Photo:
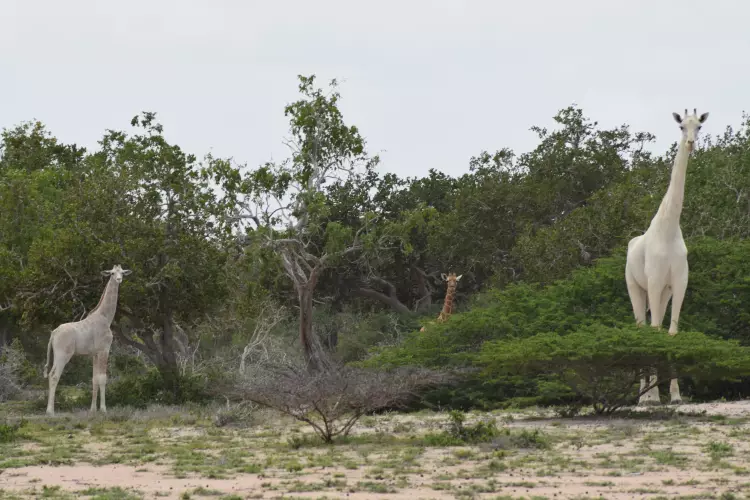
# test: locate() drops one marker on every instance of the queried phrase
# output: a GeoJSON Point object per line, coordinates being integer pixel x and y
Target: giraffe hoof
{"type": "Point", "coordinates": [649, 402]}
{"type": "Point", "coordinates": [676, 402]}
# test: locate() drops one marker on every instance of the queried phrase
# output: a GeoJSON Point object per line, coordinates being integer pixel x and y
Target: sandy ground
{"type": "Point", "coordinates": [683, 457]}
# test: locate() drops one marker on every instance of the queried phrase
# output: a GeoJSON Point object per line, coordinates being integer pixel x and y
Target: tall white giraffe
{"type": "Point", "coordinates": [89, 337]}
{"type": "Point", "coordinates": [657, 265]}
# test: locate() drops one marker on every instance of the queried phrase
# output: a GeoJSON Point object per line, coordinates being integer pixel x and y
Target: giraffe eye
{"type": "Point", "coordinates": [682, 127]}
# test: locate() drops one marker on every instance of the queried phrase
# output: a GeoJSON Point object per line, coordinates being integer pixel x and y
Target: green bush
{"type": "Point", "coordinates": [141, 390]}
{"type": "Point", "coordinates": [480, 432]}
{"type": "Point", "coordinates": [718, 290]}
{"type": "Point", "coordinates": [590, 295]}
{"type": "Point", "coordinates": [603, 365]}
{"type": "Point", "coordinates": [484, 431]}
{"type": "Point", "coordinates": [458, 433]}
{"type": "Point", "coordinates": [11, 432]}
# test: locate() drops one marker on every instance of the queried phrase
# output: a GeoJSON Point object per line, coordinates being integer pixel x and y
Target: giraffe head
{"type": "Point", "coordinates": [451, 279]}
{"type": "Point", "coordinates": [117, 273]}
{"type": "Point", "coordinates": [690, 125]}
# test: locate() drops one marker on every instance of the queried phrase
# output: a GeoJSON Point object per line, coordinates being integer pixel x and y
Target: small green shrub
{"type": "Point", "coordinates": [459, 433]}
{"type": "Point", "coordinates": [143, 389]}
{"type": "Point", "coordinates": [10, 432]}
{"type": "Point", "coordinates": [534, 439]}
{"type": "Point", "coordinates": [480, 432]}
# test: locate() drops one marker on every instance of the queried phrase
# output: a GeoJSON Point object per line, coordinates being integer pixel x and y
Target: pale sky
{"type": "Point", "coordinates": [429, 83]}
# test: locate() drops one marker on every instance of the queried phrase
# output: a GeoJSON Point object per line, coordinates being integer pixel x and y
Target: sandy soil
{"type": "Point", "coordinates": [614, 459]}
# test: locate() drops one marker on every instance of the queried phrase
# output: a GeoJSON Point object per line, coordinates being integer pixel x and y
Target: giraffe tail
{"type": "Point", "coordinates": [49, 348]}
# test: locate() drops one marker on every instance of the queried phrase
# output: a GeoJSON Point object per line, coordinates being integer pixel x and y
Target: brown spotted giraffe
{"type": "Point", "coordinates": [450, 294]}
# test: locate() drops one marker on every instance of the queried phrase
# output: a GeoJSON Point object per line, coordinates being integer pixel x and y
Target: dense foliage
{"type": "Point", "coordinates": [350, 258]}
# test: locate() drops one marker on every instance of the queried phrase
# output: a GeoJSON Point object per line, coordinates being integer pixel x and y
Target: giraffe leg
{"type": "Point", "coordinates": [61, 359]}
{"type": "Point", "coordinates": [639, 301]}
{"type": "Point", "coordinates": [656, 294]}
{"type": "Point", "coordinates": [679, 286]}
{"type": "Point", "coordinates": [94, 385]}
{"type": "Point", "coordinates": [101, 362]}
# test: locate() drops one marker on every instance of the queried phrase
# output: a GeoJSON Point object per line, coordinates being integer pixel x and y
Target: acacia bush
{"type": "Point", "coordinates": [333, 398]}
{"type": "Point", "coordinates": [603, 365]}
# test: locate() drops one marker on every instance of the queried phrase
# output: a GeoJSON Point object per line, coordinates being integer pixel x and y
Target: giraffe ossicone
{"type": "Point", "coordinates": [89, 337]}
{"type": "Point", "coordinates": [657, 267]}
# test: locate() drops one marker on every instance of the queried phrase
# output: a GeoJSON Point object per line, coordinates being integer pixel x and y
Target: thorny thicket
{"type": "Point", "coordinates": [11, 365]}
{"type": "Point", "coordinates": [333, 398]}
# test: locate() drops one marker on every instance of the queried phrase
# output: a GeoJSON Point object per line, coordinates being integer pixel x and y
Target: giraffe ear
{"type": "Point", "coordinates": [444, 277]}
{"type": "Point", "coordinates": [125, 272]}
{"type": "Point", "coordinates": [106, 273]}
{"type": "Point", "coordinates": [677, 117]}
{"type": "Point", "coordinates": [458, 277]}
{"type": "Point", "coordinates": [703, 117]}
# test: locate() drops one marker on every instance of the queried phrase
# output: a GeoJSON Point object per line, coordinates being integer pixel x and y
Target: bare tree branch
{"type": "Point", "coordinates": [269, 316]}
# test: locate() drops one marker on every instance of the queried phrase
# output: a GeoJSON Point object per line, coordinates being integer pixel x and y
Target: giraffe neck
{"type": "Point", "coordinates": [448, 303]}
{"type": "Point", "coordinates": [108, 302]}
{"type": "Point", "coordinates": [671, 205]}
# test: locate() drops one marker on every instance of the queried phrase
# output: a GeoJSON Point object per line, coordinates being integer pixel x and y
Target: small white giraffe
{"type": "Point", "coordinates": [89, 337]}
{"type": "Point", "coordinates": [657, 265]}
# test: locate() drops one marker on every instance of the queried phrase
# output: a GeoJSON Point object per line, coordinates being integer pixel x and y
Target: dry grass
{"type": "Point", "coordinates": [171, 452]}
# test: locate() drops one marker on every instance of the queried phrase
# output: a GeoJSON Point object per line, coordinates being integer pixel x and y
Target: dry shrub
{"type": "Point", "coordinates": [11, 365]}
{"type": "Point", "coordinates": [239, 415]}
{"type": "Point", "coordinates": [332, 399]}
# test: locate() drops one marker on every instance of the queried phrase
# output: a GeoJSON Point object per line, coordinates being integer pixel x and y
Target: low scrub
{"type": "Point", "coordinates": [11, 432]}
{"type": "Point", "coordinates": [603, 366]}
{"type": "Point", "coordinates": [12, 363]}
{"type": "Point", "coordinates": [484, 431]}
{"type": "Point", "coordinates": [332, 399]}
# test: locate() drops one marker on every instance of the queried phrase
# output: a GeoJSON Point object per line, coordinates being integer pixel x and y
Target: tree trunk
{"type": "Point", "coordinates": [309, 346]}
{"type": "Point", "coordinates": [168, 366]}
{"type": "Point", "coordinates": [424, 300]}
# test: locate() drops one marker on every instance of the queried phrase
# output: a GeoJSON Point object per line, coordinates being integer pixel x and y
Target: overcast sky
{"type": "Point", "coordinates": [429, 83]}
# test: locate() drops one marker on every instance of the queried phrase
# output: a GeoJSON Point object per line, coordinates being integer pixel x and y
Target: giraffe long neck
{"type": "Point", "coordinates": [448, 303]}
{"type": "Point", "coordinates": [671, 205]}
{"type": "Point", "coordinates": [108, 301]}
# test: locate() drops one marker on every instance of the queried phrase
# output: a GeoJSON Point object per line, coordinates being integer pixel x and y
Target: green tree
{"type": "Point", "coordinates": [157, 209]}
{"type": "Point", "coordinates": [35, 171]}
{"type": "Point", "coordinates": [286, 202]}
{"type": "Point", "coordinates": [138, 201]}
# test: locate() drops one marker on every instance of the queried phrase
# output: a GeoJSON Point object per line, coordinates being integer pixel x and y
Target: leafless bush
{"type": "Point", "coordinates": [11, 364]}
{"type": "Point", "coordinates": [240, 414]}
{"type": "Point", "coordinates": [333, 399]}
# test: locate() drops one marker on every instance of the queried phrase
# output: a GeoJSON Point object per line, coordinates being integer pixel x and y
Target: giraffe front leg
{"type": "Point", "coordinates": [101, 362]}
{"type": "Point", "coordinates": [679, 286]}
{"type": "Point", "coordinates": [650, 397]}
{"type": "Point", "coordinates": [656, 292]}
{"type": "Point", "coordinates": [94, 391]}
